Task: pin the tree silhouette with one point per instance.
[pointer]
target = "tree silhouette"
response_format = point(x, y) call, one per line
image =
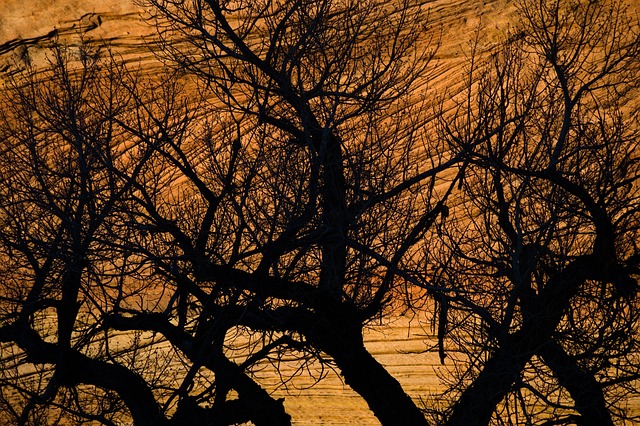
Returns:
point(271, 216)
point(544, 256)
point(58, 194)
point(283, 182)
point(302, 193)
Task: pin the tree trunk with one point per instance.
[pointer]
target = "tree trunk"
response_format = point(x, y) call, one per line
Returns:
point(255, 402)
point(478, 402)
point(583, 387)
point(360, 370)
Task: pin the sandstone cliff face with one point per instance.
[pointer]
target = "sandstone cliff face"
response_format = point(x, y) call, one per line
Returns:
point(27, 28)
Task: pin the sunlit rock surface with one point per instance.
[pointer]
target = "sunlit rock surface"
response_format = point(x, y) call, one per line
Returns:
point(29, 27)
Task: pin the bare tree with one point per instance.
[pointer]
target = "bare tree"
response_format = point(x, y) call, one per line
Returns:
point(72, 284)
point(543, 255)
point(163, 239)
point(57, 194)
point(270, 217)
point(304, 190)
